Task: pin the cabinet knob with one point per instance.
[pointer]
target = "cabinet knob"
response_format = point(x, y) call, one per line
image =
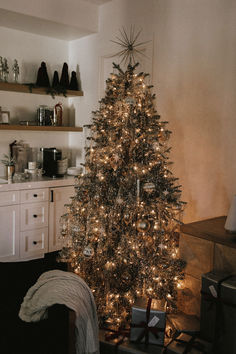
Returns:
point(36, 242)
point(35, 215)
point(35, 195)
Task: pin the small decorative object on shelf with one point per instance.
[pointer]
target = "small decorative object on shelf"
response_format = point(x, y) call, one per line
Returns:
point(5, 70)
point(73, 82)
point(44, 115)
point(57, 114)
point(55, 80)
point(4, 117)
point(42, 77)
point(64, 81)
point(1, 69)
point(230, 224)
point(16, 70)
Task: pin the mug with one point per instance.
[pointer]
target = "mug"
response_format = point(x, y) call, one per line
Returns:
point(31, 165)
point(31, 171)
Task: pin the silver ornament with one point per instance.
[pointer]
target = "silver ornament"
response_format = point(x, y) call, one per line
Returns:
point(88, 251)
point(149, 187)
point(130, 100)
point(142, 225)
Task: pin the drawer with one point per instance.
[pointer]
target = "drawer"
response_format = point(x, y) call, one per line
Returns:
point(33, 216)
point(9, 198)
point(34, 195)
point(33, 243)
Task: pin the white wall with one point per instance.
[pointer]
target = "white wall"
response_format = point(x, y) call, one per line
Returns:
point(30, 50)
point(194, 66)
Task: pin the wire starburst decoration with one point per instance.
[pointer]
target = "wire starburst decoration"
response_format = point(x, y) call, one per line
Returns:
point(129, 45)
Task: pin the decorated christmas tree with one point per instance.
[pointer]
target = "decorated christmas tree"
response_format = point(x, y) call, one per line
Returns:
point(121, 230)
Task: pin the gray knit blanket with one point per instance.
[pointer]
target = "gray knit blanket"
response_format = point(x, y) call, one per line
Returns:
point(65, 288)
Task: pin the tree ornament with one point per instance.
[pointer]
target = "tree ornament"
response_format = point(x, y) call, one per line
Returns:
point(88, 251)
point(126, 276)
point(127, 218)
point(142, 225)
point(130, 100)
point(149, 187)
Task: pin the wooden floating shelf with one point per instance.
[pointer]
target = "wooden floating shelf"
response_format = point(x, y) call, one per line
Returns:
point(40, 128)
point(23, 88)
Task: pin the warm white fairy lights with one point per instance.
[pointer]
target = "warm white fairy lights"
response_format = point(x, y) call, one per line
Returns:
point(121, 228)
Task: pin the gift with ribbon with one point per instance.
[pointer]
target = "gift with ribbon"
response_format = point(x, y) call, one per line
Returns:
point(148, 324)
point(218, 311)
point(116, 335)
point(185, 343)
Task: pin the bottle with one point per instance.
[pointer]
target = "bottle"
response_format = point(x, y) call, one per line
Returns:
point(57, 114)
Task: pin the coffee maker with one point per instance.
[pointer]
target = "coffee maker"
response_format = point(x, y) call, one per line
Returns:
point(50, 157)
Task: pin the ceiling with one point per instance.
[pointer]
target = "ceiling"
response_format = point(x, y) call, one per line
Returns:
point(62, 19)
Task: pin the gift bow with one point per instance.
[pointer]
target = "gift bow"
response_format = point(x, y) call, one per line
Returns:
point(146, 328)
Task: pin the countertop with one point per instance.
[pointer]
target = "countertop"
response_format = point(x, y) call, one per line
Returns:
point(39, 182)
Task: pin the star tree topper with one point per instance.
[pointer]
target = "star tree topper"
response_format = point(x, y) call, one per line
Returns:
point(129, 44)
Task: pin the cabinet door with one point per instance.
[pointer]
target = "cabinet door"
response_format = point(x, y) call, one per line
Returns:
point(9, 233)
point(33, 243)
point(59, 197)
point(34, 216)
point(9, 198)
point(34, 195)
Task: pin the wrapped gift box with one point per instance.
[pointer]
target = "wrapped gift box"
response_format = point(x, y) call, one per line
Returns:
point(182, 322)
point(218, 311)
point(156, 323)
point(185, 343)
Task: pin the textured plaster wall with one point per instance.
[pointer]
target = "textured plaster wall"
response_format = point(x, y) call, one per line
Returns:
point(194, 76)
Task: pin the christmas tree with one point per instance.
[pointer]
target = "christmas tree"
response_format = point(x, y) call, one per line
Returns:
point(121, 230)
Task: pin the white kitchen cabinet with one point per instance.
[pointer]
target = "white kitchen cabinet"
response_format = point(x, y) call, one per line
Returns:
point(59, 197)
point(34, 243)
point(9, 233)
point(9, 198)
point(29, 218)
point(34, 195)
point(33, 216)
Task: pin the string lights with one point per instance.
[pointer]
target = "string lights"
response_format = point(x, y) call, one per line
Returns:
point(121, 229)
